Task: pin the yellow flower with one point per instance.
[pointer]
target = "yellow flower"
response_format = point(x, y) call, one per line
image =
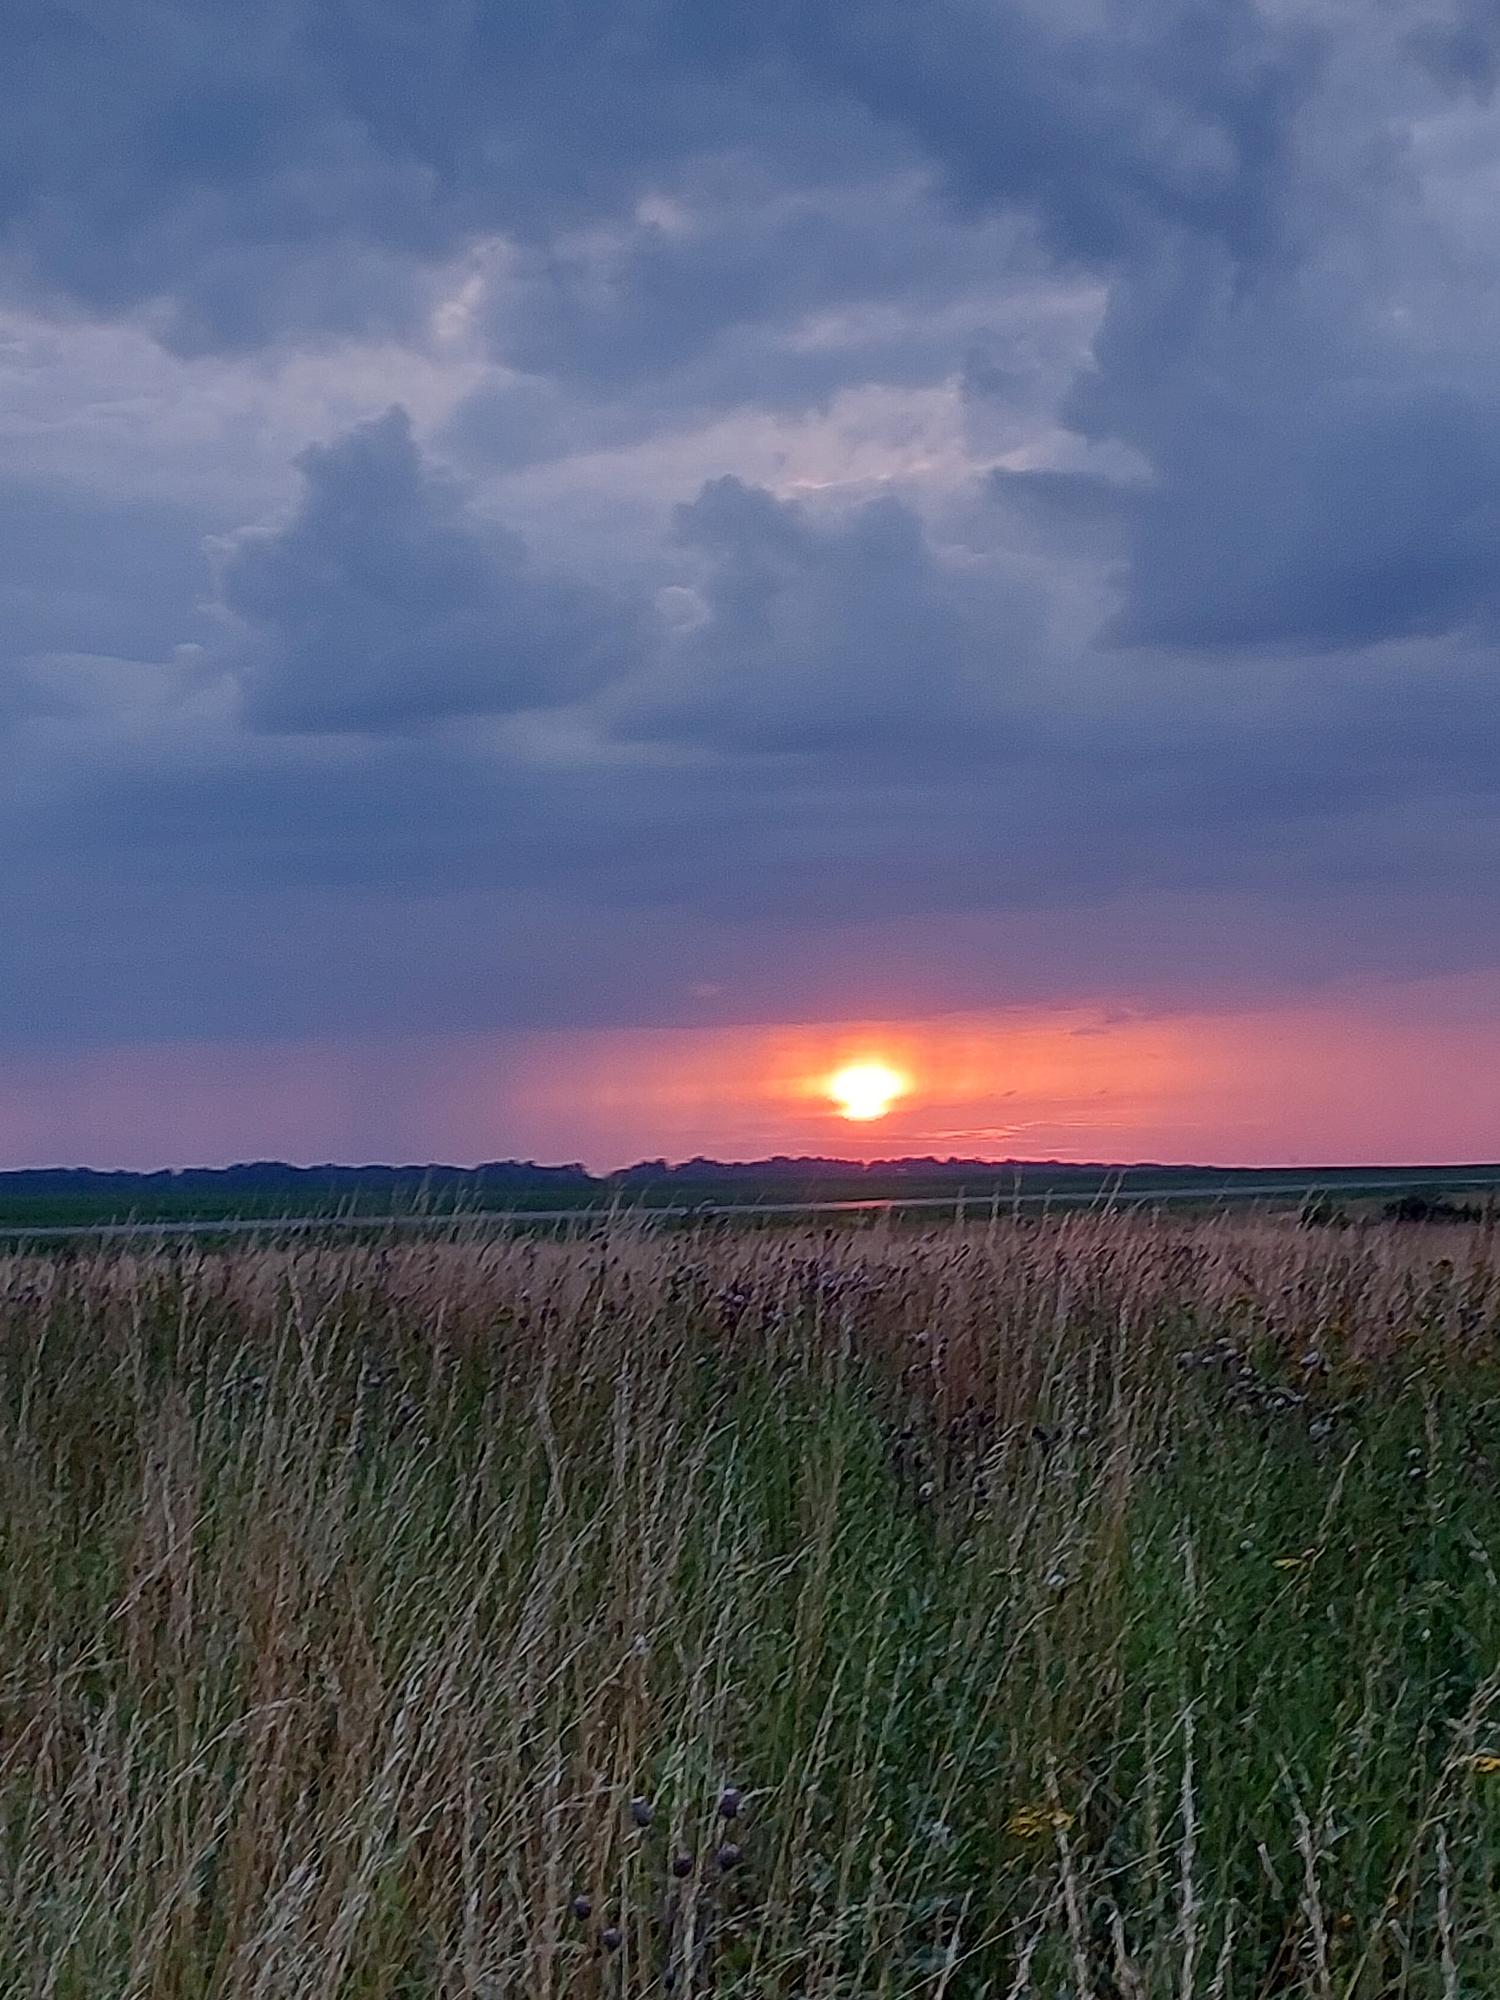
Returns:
point(1485, 1763)
point(1030, 1821)
point(1295, 1562)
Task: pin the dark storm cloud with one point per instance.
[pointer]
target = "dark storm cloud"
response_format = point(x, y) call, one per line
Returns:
point(1216, 628)
point(833, 698)
point(751, 296)
point(847, 637)
point(1180, 119)
point(257, 172)
point(1308, 484)
point(1071, 500)
point(385, 604)
point(81, 573)
point(1462, 48)
point(840, 721)
point(1343, 519)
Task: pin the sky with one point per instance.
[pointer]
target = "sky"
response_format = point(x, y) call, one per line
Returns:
point(567, 569)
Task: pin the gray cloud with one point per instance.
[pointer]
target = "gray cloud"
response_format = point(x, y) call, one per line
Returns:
point(87, 575)
point(1461, 50)
point(1316, 441)
point(250, 173)
point(385, 604)
point(844, 638)
point(1204, 659)
point(744, 295)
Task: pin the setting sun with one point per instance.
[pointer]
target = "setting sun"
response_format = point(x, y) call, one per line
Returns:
point(866, 1090)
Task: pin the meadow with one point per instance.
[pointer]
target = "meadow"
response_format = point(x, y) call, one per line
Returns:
point(1088, 1606)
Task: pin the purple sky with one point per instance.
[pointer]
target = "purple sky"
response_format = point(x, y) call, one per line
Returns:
point(545, 549)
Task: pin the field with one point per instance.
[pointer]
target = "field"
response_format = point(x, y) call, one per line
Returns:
point(1089, 1606)
point(60, 1201)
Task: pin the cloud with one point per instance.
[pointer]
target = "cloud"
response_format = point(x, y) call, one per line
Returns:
point(1462, 50)
point(1313, 443)
point(80, 572)
point(246, 174)
point(1181, 121)
point(846, 637)
point(956, 500)
point(739, 294)
point(385, 603)
point(1351, 518)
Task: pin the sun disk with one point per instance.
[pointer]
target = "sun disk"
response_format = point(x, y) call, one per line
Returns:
point(866, 1090)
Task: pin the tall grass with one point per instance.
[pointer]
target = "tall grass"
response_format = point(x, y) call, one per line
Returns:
point(1103, 1607)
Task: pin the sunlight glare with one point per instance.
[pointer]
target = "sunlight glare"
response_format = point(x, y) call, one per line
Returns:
point(866, 1090)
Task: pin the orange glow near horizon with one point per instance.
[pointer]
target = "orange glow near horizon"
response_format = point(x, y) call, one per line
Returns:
point(1360, 1076)
point(1411, 1073)
point(866, 1090)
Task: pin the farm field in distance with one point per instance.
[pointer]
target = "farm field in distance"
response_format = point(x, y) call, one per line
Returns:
point(1093, 1604)
point(271, 1192)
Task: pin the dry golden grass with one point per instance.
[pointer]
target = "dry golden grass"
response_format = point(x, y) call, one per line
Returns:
point(1096, 1607)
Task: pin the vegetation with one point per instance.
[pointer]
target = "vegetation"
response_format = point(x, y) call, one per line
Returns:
point(80, 1198)
point(1095, 1607)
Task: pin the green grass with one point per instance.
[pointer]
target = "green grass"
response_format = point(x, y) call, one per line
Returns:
point(1102, 1607)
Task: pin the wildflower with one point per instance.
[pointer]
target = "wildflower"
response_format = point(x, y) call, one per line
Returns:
point(611, 1937)
point(682, 1865)
point(730, 1801)
point(582, 1908)
point(1028, 1822)
point(1485, 1763)
point(730, 1855)
point(641, 1812)
point(940, 1833)
point(1295, 1562)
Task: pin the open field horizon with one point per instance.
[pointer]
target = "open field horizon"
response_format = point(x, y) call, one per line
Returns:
point(1102, 1605)
point(887, 611)
point(263, 1195)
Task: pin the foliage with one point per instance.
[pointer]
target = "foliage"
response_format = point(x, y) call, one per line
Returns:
point(1098, 1607)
